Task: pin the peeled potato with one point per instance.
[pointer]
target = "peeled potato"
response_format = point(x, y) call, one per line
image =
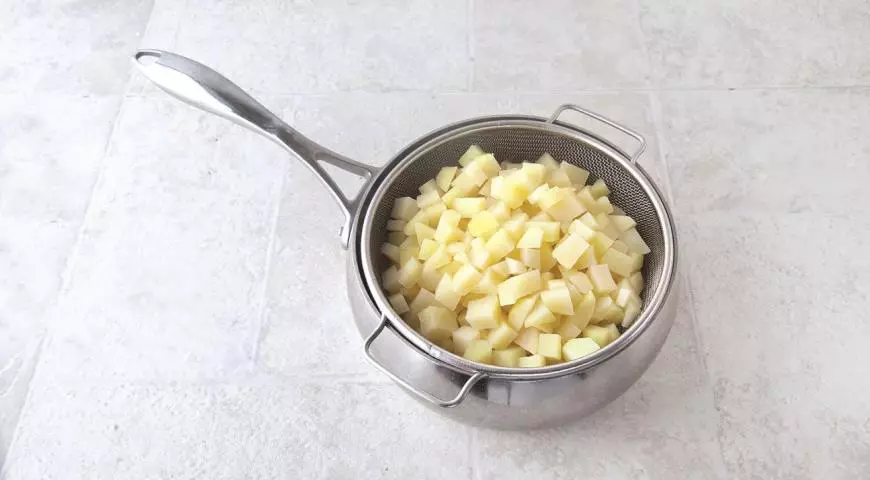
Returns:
point(519, 265)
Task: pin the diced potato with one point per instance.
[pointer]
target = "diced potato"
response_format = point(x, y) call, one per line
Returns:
point(423, 231)
point(391, 251)
point(636, 261)
point(606, 226)
point(502, 336)
point(465, 279)
point(429, 198)
point(437, 323)
point(558, 178)
point(580, 281)
point(601, 335)
point(599, 188)
point(446, 233)
point(569, 250)
point(445, 177)
point(548, 161)
point(540, 317)
point(519, 286)
point(532, 238)
point(600, 242)
point(538, 193)
point(469, 206)
point(603, 205)
point(618, 262)
point(429, 278)
point(514, 189)
point(446, 294)
point(535, 172)
point(532, 361)
point(588, 200)
point(515, 225)
point(395, 225)
point(579, 348)
point(399, 304)
point(577, 175)
point(634, 241)
point(473, 152)
point(547, 260)
point(613, 332)
point(551, 197)
point(632, 311)
point(568, 330)
point(606, 311)
point(622, 222)
point(586, 260)
point(602, 280)
point(500, 211)
point(528, 339)
point(462, 338)
point(484, 313)
point(390, 279)
point(514, 266)
point(488, 283)
point(636, 280)
point(483, 224)
point(620, 246)
point(583, 310)
point(531, 257)
point(396, 237)
point(520, 310)
point(509, 357)
point(567, 209)
point(438, 259)
point(410, 272)
point(454, 193)
point(582, 229)
point(499, 245)
point(479, 256)
point(485, 163)
point(558, 300)
point(626, 296)
point(550, 230)
point(404, 208)
point(479, 351)
point(550, 346)
point(429, 186)
point(424, 298)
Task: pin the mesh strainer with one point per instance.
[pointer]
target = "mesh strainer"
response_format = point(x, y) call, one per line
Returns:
point(513, 138)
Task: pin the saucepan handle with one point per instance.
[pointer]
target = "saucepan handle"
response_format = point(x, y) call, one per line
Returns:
point(206, 89)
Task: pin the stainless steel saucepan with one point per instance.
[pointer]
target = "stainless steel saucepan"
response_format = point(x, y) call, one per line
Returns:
point(470, 392)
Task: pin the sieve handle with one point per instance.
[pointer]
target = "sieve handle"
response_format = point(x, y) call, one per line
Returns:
point(460, 396)
point(622, 128)
point(201, 87)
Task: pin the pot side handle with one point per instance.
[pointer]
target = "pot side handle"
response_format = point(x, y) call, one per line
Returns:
point(460, 396)
point(203, 88)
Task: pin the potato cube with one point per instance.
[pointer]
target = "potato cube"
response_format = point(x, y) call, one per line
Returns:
point(419, 218)
point(499, 245)
point(468, 206)
point(515, 225)
point(569, 250)
point(603, 205)
point(514, 189)
point(613, 332)
point(548, 161)
point(632, 311)
point(588, 200)
point(390, 279)
point(547, 260)
point(462, 338)
point(410, 272)
point(445, 233)
point(396, 225)
point(508, 357)
point(626, 296)
point(437, 323)
point(446, 294)
point(634, 241)
point(550, 346)
point(580, 281)
point(488, 283)
point(620, 246)
point(427, 248)
point(429, 278)
point(514, 266)
point(438, 259)
point(567, 209)
point(483, 224)
point(465, 279)
point(636, 261)
point(473, 152)
point(396, 237)
point(582, 229)
point(551, 197)
point(577, 175)
point(586, 260)
point(540, 317)
point(479, 256)
point(514, 288)
point(454, 193)
point(551, 230)
point(558, 178)
point(622, 222)
point(484, 313)
point(600, 242)
point(391, 251)
point(599, 189)
point(423, 231)
point(532, 361)
point(445, 177)
point(600, 335)
point(606, 311)
point(636, 280)
point(399, 304)
point(558, 300)
point(537, 193)
point(424, 298)
point(532, 238)
point(578, 348)
point(568, 330)
point(602, 280)
point(479, 351)
point(502, 336)
point(605, 226)
point(500, 211)
point(583, 310)
point(429, 198)
point(618, 262)
point(429, 186)
point(520, 310)
point(404, 208)
point(531, 257)
point(501, 268)
point(528, 339)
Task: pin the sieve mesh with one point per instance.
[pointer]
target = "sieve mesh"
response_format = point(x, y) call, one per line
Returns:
point(519, 141)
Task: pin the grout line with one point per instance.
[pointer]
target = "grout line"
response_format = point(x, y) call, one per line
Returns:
point(658, 128)
point(469, 26)
point(642, 35)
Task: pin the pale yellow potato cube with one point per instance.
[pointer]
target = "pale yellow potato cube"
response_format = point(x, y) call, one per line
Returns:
point(636, 280)
point(429, 198)
point(486, 189)
point(613, 331)
point(582, 229)
point(515, 225)
point(535, 172)
point(410, 292)
point(404, 208)
point(502, 336)
point(577, 175)
point(509, 357)
point(603, 205)
point(429, 186)
point(606, 226)
point(514, 266)
point(532, 361)
point(558, 300)
point(465, 279)
point(541, 217)
point(558, 178)
point(569, 250)
point(578, 348)
point(599, 189)
point(632, 311)
point(618, 262)
point(537, 193)
point(488, 283)
point(600, 242)
point(433, 213)
point(468, 206)
point(602, 280)
point(568, 330)
point(588, 219)
point(390, 279)
point(485, 163)
point(484, 313)
point(445, 177)
point(469, 180)
point(532, 238)
point(424, 298)
point(620, 246)
point(501, 268)
point(446, 344)
point(551, 230)
point(622, 222)
point(551, 197)
point(462, 338)
point(499, 245)
point(583, 310)
point(483, 224)
point(438, 259)
point(500, 211)
point(473, 152)
point(454, 193)
point(479, 256)
point(460, 319)
point(550, 346)
point(627, 296)
point(514, 189)
point(520, 310)
point(479, 351)
point(427, 248)
point(600, 335)
point(396, 225)
point(451, 268)
point(419, 218)
point(446, 294)
point(410, 272)
point(390, 251)
point(634, 241)
point(429, 278)
point(528, 339)
point(566, 209)
point(423, 231)
point(399, 304)
point(580, 281)
point(541, 318)
point(548, 161)
point(606, 311)
point(636, 261)
point(495, 186)
point(445, 233)
point(586, 260)
point(556, 283)
point(437, 323)
point(547, 260)
point(396, 237)
point(514, 288)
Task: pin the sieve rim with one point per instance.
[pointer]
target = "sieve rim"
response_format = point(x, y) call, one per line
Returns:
point(369, 277)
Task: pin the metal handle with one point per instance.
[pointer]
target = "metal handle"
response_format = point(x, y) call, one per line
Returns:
point(463, 392)
point(206, 89)
point(633, 158)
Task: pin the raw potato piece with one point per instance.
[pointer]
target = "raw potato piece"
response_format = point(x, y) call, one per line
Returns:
point(529, 265)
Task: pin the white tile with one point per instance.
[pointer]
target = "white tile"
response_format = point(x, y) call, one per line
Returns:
point(664, 426)
point(557, 45)
point(784, 339)
point(749, 43)
point(266, 430)
point(768, 151)
point(171, 267)
point(69, 46)
point(304, 46)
